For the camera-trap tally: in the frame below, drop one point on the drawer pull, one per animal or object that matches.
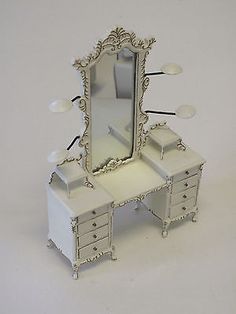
(186, 184)
(94, 212)
(184, 208)
(95, 249)
(184, 196)
(95, 236)
(94, 224)
(187, 172)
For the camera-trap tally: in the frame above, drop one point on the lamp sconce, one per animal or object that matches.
(183, 112)
(168, 69)
(62, 105)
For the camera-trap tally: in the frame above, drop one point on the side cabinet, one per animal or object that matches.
(178, 200)
(81, 230)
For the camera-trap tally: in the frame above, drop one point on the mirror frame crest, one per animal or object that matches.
(118, 39)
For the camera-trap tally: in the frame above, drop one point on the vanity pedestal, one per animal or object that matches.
(181, 167)
(122, 161)
(80, 226)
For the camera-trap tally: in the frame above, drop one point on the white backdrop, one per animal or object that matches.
(193, 270)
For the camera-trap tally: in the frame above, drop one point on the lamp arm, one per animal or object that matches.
(75, 98)
(154, 73)
(161, 112)
(73, 142)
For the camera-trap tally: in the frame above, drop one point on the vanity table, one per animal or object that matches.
(121, 160)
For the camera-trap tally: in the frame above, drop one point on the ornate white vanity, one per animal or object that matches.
(120, 160)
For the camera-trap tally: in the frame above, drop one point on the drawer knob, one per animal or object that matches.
(187, 172)
(95, 249)
(184, 196)
(184, 208)
(94, 212)
(94, 224)
(186, 184)
(95, 236)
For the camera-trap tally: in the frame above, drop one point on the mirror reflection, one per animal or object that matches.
(112, 81)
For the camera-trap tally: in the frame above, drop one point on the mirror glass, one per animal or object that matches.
(112, 86)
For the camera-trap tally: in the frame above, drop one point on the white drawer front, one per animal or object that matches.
(182, 208)
(93, 249)
(185, 184)
(93, 214)
(93, 224)
(183, 196)
(93, 236)
(186, 174)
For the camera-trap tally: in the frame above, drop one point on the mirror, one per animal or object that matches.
(112, 81)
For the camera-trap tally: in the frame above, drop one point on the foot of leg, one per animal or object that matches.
(75, 274)
(113, 253)
(165, 227)
(50, 244)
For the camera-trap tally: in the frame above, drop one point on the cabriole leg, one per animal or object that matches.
(165, 227)
(113, 253)
(75, 274)
(50, 244)
(195, 216)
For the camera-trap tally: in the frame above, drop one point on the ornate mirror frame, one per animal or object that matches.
(118, 38)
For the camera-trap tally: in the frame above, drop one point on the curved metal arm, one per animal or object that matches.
(75, 98)
(161, 112)
(154, 73)
(73, 142)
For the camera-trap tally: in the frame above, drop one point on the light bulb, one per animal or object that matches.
(58, 156)
(60, 105)
(171, 69)
(185, 111)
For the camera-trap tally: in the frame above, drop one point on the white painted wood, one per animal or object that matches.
(81, 226)
(93, 249)
(93, 236)
(93, 224)
(184, 195)
(93, 214)
(182, 208)
(185, 184)
(176, 162)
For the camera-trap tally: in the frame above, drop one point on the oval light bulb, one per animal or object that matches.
(60, 105)
(185, 111)
(58, 156)
(171, 69)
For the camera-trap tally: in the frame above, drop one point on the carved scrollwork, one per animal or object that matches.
(74, 224)
(115, 41)
(139, 197)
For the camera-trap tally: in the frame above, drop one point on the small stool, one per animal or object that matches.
(71, 173)
(165, 139)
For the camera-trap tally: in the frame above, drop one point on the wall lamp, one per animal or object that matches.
(169, 69)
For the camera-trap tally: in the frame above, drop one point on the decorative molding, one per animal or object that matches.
(51, 177)
(115, 41)
(139, 197)
(74, 224)
(95, 257)
(88, 184)
(62, 163)
(112, 164)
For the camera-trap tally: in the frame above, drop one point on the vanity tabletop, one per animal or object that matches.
(82, 198)
(174, 161)
(131, 180)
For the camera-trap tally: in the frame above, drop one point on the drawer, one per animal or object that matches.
(182, 208)
(93, 214)
(186, 174)
(183, 196)
(93, 224)
(93, 249)
(185, 184)
(93, 236)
